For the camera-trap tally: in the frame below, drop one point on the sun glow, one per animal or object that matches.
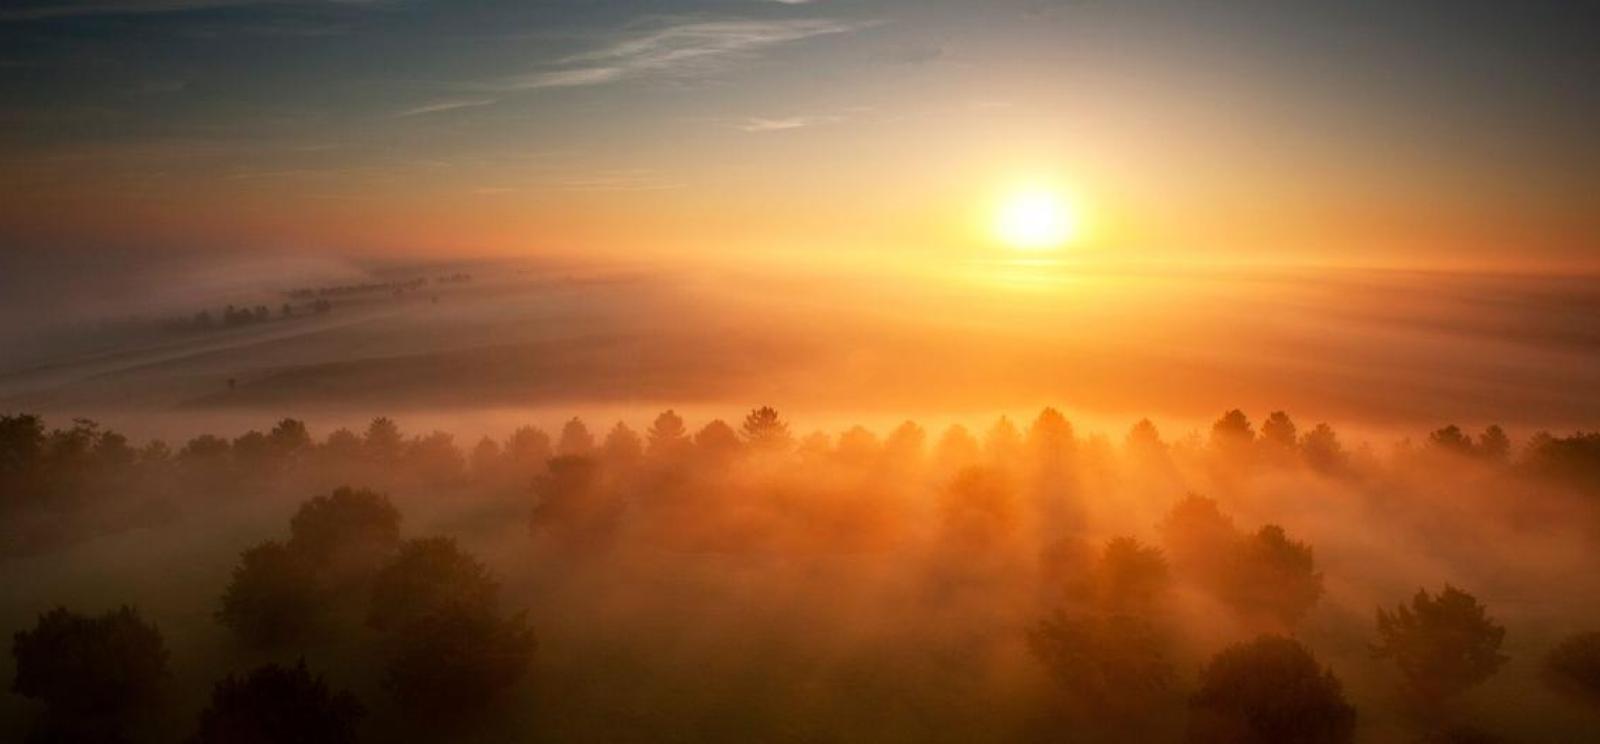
(1036, 219)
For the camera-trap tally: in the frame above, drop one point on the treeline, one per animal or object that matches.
(58, 486)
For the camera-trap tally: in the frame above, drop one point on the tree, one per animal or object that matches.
(857, 446)
(485, 459)
(95, 675)
(1320, 448)
(289, 438)
(668, 437)
(1131, 576)
(383, 442)
(622, 445)
(1232, 435)
(763, 429)
(436, 459)
(1279, 431)
(574, 502)
(1050, 440)
(346, 534)
(1274, 576)
(717, 440)
(1451, 440)
(272, 598)
(278, 705)
(1200, 538)
(1494, 445)
(427, 576)
(1106, 663)
(1269, 691)
(903, 448)
(1572, 668)
(1144, 441)
(1443, 644)
(448, 666)
(575, 439)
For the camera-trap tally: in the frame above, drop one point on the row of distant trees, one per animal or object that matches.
(49, 479)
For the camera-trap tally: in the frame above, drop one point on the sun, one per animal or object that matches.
(1036, 219)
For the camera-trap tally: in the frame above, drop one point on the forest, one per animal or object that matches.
(1020, 582)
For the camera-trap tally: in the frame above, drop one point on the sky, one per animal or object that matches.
(1400, 134)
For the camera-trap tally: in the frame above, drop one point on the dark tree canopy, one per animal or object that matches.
(1106, 663)
(272, 598)
(1131, 575)
(1443, 645)
(428, 575)
(1274, 576)
(278, 705)
(349, 531)
(94, 674)
(1232, 434)
(451, 664)
(1269, 691)
(668, 437)
(1572, 668)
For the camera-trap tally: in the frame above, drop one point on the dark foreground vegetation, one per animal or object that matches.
(1058, 587)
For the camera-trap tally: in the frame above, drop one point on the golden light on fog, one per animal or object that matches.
(1037, 219)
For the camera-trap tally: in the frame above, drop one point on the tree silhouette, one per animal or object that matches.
(903, 448)
(383, 442)
(622, 446)
(1200, 538)
(764, 430)
(1144, 442)
(1321, 450)
(1050, 440)
(272, 598)
(1279, 431)
(346, 534)
(1494, 445)
(528, 447)
(1443, 644)
(1274, 576)
(95, 675)
(1232, 435)
(1130, 576)
(717, 440)
(1572, 668)
(575, 439)
(1451, 440)
(1115, 664)
(668, 437)
(289, 438)
(435, 459)
(1269, 691)
(451, 664)
(574, 503)
(857, 446)
(428, 576)
(278, 705)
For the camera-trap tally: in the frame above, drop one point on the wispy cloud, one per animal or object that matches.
(762, 124)
(631, 179)
(447, 105)
(686, 48)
